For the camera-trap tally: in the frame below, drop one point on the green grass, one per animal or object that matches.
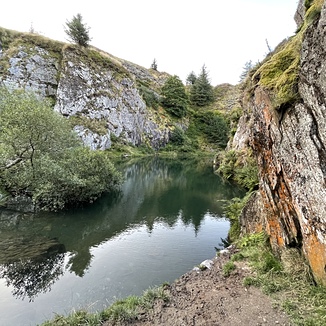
(228, 268)
(287, 280)
(121, 311)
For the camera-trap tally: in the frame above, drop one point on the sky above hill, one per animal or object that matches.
(181, 35)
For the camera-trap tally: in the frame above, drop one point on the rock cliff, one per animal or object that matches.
(99, 92)
(288, 137)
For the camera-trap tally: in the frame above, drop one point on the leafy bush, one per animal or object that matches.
(41, 157)
(178, 136)
(232, 211)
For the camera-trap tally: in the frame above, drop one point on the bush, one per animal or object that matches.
(178, 136)
(41, 157)
(228, 268)
(232, 212)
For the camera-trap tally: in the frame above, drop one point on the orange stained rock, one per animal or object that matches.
(274, 230)
(316, 255)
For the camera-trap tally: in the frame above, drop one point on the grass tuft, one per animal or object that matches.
(228, 268)
(121, 311)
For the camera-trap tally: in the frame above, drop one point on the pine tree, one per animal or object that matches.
(201, 92)
(191, 78)
(154, 65)
(247, 67)
(77, 31)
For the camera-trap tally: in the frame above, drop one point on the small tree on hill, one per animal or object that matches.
(201, 92)
(77, 31)
(191, 79)
(174, 97)
(154, 65)
(246, 69)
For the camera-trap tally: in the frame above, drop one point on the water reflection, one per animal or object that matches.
(32, 248)
(31, 276)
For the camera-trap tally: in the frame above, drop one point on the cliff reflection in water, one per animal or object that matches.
(154, 191)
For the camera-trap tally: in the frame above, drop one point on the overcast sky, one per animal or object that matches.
(182, 35)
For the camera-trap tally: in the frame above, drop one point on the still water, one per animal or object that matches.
(166, 218)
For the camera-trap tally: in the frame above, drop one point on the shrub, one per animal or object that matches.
(41, 157)
(178, 136)
(150, 97)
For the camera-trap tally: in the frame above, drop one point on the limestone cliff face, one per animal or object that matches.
(290, 146)
(97, 91)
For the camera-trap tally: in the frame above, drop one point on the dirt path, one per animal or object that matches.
(211, 299)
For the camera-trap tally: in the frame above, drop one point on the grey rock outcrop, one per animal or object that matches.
(300, 12)
(33, 69)
(96, 90)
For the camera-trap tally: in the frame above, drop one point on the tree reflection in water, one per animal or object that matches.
(155, 191)
(35, 275)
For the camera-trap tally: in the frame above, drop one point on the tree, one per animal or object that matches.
(154, 65)
(191, 79)
(42, 158)
(247, 67)
(214, 126)
(174, 97)
(201, 92)
(77, 31)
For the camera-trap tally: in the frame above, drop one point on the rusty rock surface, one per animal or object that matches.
(290, 146)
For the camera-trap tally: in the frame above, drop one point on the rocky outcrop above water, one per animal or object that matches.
(290, 146)
(98, 91)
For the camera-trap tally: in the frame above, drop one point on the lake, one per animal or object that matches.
(166, 218)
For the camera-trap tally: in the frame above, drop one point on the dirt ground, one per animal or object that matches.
(208, 298)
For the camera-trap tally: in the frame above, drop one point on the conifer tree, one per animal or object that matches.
(77, 31)
(247, 67)
(191, 78)
(154, 65)
(201, 92)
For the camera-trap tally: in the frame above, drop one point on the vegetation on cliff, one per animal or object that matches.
(279, 72)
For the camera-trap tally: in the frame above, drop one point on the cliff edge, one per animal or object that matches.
(285, 105)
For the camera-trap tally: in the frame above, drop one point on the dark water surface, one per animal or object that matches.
(167, 218)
